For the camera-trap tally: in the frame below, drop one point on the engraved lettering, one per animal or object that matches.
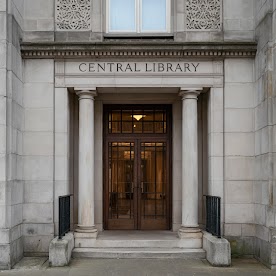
(161, 67)
(111, 65)
(169, 67)
(102, 67)
(187, 67)
(139, 67)
(82, 67)
(135, 68)
(128, 67)
(195, 66)
(91, 67)
(119, 66)
(178, 67)
(147, 69)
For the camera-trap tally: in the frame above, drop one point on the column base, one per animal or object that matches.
(85, 236)
(86, 229)
(192, 235)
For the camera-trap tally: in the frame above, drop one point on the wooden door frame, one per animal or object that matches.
(133, 138)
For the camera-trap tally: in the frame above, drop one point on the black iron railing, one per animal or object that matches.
(213, 215)
(64, 215)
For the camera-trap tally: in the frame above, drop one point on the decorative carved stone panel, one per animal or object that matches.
(73, 15)
(203, 14)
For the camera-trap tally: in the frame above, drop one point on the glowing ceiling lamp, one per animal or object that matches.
(138, 117)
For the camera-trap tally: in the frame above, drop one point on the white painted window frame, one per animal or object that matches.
(138, 20)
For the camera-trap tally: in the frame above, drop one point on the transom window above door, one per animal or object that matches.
(144, 120)
(138, 16)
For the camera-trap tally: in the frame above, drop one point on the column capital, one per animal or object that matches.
(189, 93)
(86, 93)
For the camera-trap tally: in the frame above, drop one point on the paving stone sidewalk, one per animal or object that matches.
(133, 267)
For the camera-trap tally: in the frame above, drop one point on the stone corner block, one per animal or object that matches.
(218, 251)
(5, 257)
(272, 248)
(60, 251)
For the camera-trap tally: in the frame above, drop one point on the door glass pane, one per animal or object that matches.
(121, 173)
(154, 180)
(122, 15)
(154, 15)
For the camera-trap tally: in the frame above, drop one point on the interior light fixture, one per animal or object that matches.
(138, 117)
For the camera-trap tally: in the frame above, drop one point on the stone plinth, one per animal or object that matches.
(192, 236)
(218, 251)
(85, 239)
(60, 251)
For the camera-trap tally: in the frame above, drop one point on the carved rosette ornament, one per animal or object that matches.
(203, 14)
(73, 15)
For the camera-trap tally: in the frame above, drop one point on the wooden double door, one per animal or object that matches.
(137, 188)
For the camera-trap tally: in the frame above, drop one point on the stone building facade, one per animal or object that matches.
(72, 79)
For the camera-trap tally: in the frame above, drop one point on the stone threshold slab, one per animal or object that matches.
(137, 235)
(139, 239)
(141, 253)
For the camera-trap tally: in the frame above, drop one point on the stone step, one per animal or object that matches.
(139, 239)
(139, 253)
(130, 243)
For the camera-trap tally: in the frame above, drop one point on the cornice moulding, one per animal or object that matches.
(160, 50)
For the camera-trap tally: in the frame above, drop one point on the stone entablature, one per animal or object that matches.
(120, 73)
(73, 15)
(203, 15)
(137, 50)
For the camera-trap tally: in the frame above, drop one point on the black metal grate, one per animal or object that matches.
(213, 215)
(64, 215)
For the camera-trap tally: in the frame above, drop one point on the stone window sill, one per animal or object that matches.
(134, 36)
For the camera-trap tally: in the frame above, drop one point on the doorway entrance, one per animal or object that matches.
(137, 170)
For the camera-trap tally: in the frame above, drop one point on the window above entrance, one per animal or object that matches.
(147, 121)
(138, 16)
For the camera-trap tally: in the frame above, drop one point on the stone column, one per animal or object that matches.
(189, 227)
(86, 218)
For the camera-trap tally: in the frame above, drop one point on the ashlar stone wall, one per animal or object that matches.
(239, 154)
(238, 20)
(265, 119)
(38, 150)
(4, 221)
(11, 127)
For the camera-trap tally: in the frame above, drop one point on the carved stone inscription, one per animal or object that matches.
(139, 67)
(203, 14)
(73, 15)
(110, 68)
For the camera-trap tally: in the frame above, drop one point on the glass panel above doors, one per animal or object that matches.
(143, 121)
